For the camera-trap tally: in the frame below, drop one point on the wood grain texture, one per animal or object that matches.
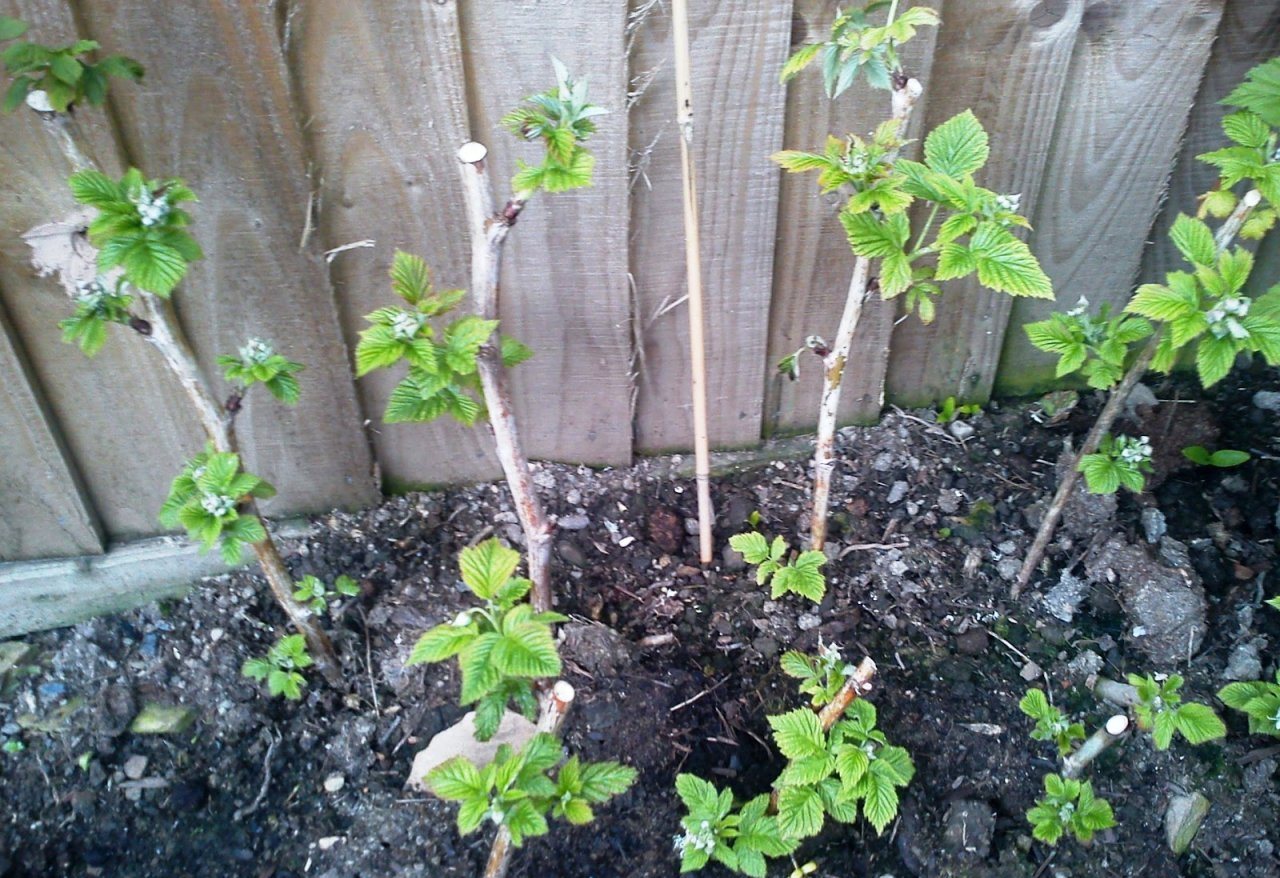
(564, 274)
(46, 512)
(1119, 124)
(738, 105)
(1007, 61)
(813, 263)
(383, 145)
(121, 421)
(216, 110)
(1248, 34)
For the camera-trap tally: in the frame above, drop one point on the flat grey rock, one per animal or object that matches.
(460, 740)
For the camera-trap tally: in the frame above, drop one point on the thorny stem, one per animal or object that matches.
(905, 94)
(554, 710)
(159, 326)
(1095, 745)
(1226, 234)
(488, 232)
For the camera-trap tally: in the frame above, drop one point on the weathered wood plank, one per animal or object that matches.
(1119, 124)
(813, 262)
(119, 416)
(217, 111)
(1248, 35)
(564, 274)
(1007, 61)
(383, 143)
(46, 512)
(737, 52)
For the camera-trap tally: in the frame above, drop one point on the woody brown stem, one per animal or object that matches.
(1226, 234)
(488, 232)
(1095, 745)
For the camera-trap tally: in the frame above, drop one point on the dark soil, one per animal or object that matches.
(920, 584)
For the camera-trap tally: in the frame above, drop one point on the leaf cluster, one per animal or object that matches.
(1209, 305)
(950, 410)
(1257, 699)
(315, 595)
(1051, 723)
(442, 375)
(562, 120)
(1223, 458)
(1161, 711)
(1119, 461)
(856, 45)
(282, 667)
(739, 840)
(65, 74)
(518, 789)
(139, 228)
(801, 574)
(822, 676)
(258, 363)
(205, 499)
(96, 305)
(1095, 346)
(1069, 806)
(502, 646)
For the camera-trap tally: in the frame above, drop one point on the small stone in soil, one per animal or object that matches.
(1064, 599)
(1008, 568)
(1084, 665)
(961, 430)
(1267, 400)
(1182, 820)
(897, 492)
(1030, 671)
(135, 767)
(808, 621)
(731, 559)
(1245, 662)
(970, 827)
(334, 783)
(1153, 524)
(574, 522)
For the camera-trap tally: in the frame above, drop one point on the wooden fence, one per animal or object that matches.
(305, 125)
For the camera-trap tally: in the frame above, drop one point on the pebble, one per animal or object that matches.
(1153, 524)
(972, 642)
(961, 430)
(1245, 662)
(1065, 598)
(1008, 568)
(1030, 671)
(150, 645)
(1008, 547)
(51, 690)
(732, 560)
(571, 554)
(328, 841)
(1084, 665)
(1267, 400)
(135, 767)
(949, 501)
(808, 621)
(216, 634)
(691, 526)
(1182, 820)
(574, 522)
(334, 783)
(897, 493)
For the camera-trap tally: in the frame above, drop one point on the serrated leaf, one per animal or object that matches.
(1006, 264)
(799, 812)
(958, 146)
(1194, 240)
(699, 797)
(526, 650)
(602, 781)
(456, 779)
(1260, 92)
(798, 733)
(441, 643)
(880, 804)
(1198, 723)
(753, 546)
(486, 567)
(1214, 359)
(801, 59)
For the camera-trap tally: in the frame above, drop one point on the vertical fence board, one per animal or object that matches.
(1248, 35)
(813, 263)
(216, 110)
(738, 119)
(1007, 61)
(1121, 118)
(119, 417)
(386, 171)
(564, 276)
(45, 512)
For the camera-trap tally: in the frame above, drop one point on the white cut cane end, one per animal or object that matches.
(1117, 725)
(472, 152)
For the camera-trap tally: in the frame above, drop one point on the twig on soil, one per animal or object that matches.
(866, 547)
(652, 640)
(368, 664)
(700, 695)
(241, 813)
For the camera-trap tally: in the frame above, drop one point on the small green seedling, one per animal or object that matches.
(801, 574)
(1051, 723)
(1223, 458)
(858, 46)
(713, 831)
(950, 410)
(258, 363)
(139, 227)
(282, 667)
(13, 746)
(822, 676)
(1259, 700)
(313, 594)
(205, 499)
(98, 303)
(1119, 461)
(561, 119)
(84, 760)
(442, 359)
(503, 646)
(1161, 711)
(517, 789)
(1096, 347)
(1069, 806)
(64, 74)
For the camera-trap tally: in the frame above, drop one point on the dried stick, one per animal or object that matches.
(552, 717)
(488, 232)
(160, 327)
(1226, 234)
(906, 92)
(693, 266)
(1114, 729)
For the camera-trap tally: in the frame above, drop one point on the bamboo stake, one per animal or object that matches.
(160, 327)
(693, 266)
(554, 710)
(488, 232)
(906, 92)
(1226, 234)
